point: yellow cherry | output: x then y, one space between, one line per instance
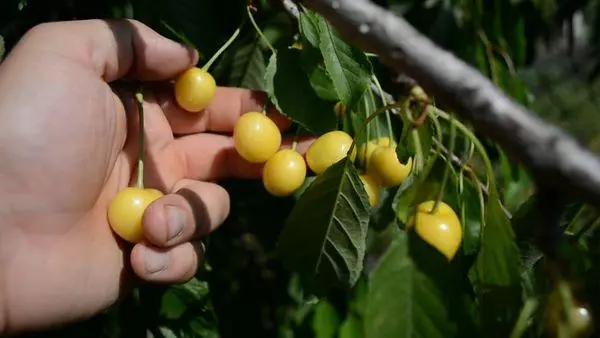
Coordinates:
365 151
195 89
372 189
256 137
441 229
328 149
284 173
385 167
126 211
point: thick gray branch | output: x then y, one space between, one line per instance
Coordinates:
554 158
291 8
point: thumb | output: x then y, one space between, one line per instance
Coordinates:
112 48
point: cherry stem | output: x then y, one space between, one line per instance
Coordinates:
139 100
448 166
374 105
223 48
265 107
296 137
363 161
370 118
387 113
260 33
182 37
478 145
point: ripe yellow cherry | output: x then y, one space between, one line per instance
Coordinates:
441 229
366 150
284 173
372 189
555 314
328 149
126 210
386 168
256 137
195 89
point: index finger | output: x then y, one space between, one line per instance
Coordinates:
221 114
112 48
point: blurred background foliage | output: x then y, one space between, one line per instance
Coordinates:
542 52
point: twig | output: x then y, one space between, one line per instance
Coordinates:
554 158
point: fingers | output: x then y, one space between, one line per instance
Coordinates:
221 115
113 48
173 265
173 226
213 157
194 210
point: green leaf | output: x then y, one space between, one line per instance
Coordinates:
324 237
309 27
471 216
248 67
172 306
406 194
318 77
291 92
413 292
326 320
498 272
498 262
351 327
196 288
348 66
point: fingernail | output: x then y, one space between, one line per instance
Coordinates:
175 222
155 261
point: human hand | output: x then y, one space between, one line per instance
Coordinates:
68 144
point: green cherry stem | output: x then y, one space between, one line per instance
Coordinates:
363 162
296 137
387 113
180 36
370 118
374 105
139 100
438 131
419 158
524 320
223 47
260 33
469 134
448 166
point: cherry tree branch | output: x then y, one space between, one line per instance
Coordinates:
291 8
555 159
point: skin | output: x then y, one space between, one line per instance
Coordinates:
68 145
